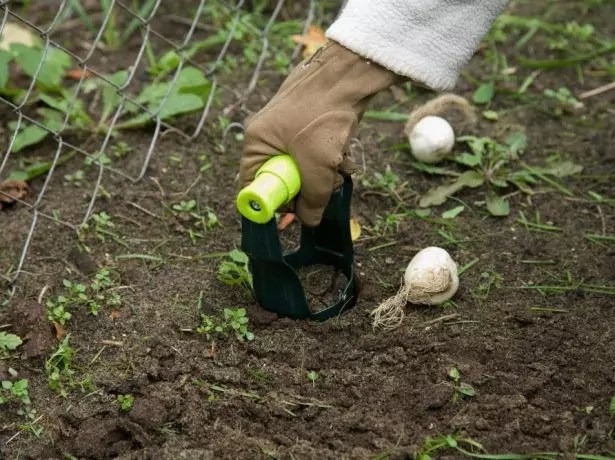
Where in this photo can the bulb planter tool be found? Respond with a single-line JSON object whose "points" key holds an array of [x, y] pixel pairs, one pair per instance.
{"points": [[276, 284]]}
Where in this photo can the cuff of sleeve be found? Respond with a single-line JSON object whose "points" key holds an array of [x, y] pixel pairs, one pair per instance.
{"points": [[427, 44]]}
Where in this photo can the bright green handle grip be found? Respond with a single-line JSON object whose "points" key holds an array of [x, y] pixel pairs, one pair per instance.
{"points": [[276, 183]]}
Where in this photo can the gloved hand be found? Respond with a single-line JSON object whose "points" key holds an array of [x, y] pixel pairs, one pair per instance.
{"points": [[312, 117]]}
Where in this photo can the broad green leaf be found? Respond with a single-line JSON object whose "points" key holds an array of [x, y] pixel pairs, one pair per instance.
{"points": [[466, 389], [9, 341], [563, 169], [61, 105], [180, 104], [52, 119], [238, 256], [517, 142], [30, 135], [452, 213], [433, 169], [477, 144], [53, 69], [497, 205], [484, 93], [471, 179], [5, 59], [109, 93], [440, 194], [499, 182], [201, 90], [168, 62], [153, 94], [468, 159], [454, 373], [190, 76]]}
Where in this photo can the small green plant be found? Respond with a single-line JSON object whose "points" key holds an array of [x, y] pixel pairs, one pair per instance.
{"points": [[94, 296], [386, 181], [490, 280], [234, 320], [462, 390], [58, 368], [204, 219], [8, 343], [125, 402], [491, 163], [446, 442], [612, 406], [15, 391], [236, 271], [564, 97], [313, 376]]}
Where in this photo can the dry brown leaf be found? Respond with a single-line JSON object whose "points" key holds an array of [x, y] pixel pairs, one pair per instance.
{"points": [[314, 39], [115, 314], [60, 332], [355, 228], [11, 190]]}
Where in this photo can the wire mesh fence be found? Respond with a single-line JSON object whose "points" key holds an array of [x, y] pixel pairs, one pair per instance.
{"points": [[131, 65]]}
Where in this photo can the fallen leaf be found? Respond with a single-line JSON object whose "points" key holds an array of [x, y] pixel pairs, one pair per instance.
{"points": [[15, 34], [285, 221], [355, 228], [11, 190], [314, 39], [115, 315], [60, 332], [76, 74]]}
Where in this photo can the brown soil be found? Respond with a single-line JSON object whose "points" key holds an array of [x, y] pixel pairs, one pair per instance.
{"points": [[542, 366]]}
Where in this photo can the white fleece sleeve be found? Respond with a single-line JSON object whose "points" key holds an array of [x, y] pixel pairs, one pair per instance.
{"points": [[428, 41]]}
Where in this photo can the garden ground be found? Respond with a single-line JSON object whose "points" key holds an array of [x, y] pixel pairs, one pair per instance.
{"points": [[522, 361]]}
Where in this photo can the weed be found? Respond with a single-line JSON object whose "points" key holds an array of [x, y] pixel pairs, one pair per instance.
{"points": [[444, 442], [8, 343], [537, 225], [75, 179], [490, 280], [189, 210], [236, 271], [491, 163], [58, 368], [125, 402], [61, 109], [313, 376], [15, 391], [388, 181], [564, 98], [234, 320], [612, 406], [462, 390], [94, 296]]}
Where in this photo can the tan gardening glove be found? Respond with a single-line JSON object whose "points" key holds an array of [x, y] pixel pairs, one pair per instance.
{"points": [[312, 117]]}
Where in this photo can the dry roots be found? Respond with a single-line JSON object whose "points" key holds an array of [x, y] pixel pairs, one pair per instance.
{"points": [[444, 106], [390, 313]]}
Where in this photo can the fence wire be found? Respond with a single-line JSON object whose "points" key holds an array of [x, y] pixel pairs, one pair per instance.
{"points": [[54, 34]]}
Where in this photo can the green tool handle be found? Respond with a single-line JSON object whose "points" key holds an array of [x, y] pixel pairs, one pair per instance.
{"points": [[276, 183]]}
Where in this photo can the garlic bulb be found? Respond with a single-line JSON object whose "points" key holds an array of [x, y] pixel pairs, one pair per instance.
{"points": [[431, 278], [432, 139]]}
